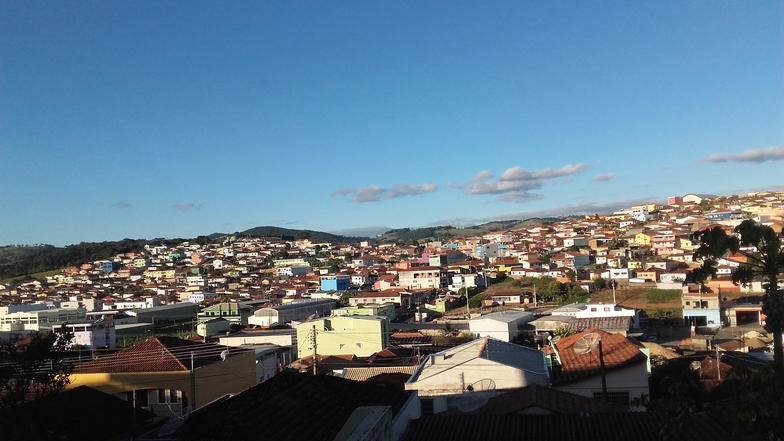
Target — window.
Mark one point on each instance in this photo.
(613, 397)
(142, 399)
(606, 309)
(174, 396)
(593, 309)
(161, 396)
(427, 406)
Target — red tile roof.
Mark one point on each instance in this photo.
(619, 351)
(157, 354)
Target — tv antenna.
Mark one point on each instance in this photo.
(585, 345)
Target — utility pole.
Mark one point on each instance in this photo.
(612, 283)
(193, 384)
(315, 353)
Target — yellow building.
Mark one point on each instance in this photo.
(361, 336)
(165, 374)
(643, 238)
(160, 274)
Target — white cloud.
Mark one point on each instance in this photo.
(402, 190)
(601, 178)
(515, 183)
(368, 194)
(375, 193)
(756, 156)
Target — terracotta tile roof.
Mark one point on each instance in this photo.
(157, 354)
(366, 373)
(619, 351)
(289, 406)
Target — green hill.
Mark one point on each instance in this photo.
(290, 234)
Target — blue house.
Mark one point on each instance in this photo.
(335, 282)
(110, 266)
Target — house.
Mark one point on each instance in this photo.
(570, 260)
(626, 366)
(512, 299)
(386, 310)
(503, 326)
(295, 406)
(361, 336)
(335, 282)
(701, 306)
(600, 310)
(92, 334)
(164, 375)
(427, 277)
(394, 295)
(484, 365)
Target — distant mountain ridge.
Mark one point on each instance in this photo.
(404, 235)
(16, 261)
(292, 234)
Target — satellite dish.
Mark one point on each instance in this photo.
(174, 423)
(481, 385)
(470, 401)
(695, 365)
(224, 354)
(586, 343)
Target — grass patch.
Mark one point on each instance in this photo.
(662, 295)
(29, 277)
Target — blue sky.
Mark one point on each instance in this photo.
(176, 119)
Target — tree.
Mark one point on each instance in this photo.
(34, 370)
(553, 290)
(762, 248)
(571, 275)
(599, 283)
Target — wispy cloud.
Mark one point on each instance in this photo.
(515, 183)
(375, 193)
(122, 205)
(602, 178)
(186, 207)
(756, 156)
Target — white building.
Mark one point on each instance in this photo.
(599, 310)
(38, 319)
(481, 367)
(91, 334)
(504, 325)
(282, 314)
(199, 297)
